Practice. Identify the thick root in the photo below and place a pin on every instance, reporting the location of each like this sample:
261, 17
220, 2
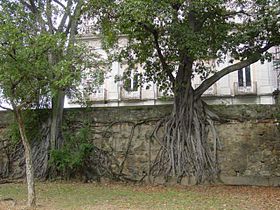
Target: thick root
185, 148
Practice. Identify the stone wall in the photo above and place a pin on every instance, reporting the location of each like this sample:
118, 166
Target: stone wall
250, 152
5, 119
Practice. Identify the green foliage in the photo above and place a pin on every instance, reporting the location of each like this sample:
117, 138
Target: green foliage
33, 120
71, 159
26, 74
12, 133
166, 98
89, 67
35, 63
190, 32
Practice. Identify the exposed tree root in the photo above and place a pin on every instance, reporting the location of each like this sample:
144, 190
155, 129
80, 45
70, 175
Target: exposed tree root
40, 151
185, 149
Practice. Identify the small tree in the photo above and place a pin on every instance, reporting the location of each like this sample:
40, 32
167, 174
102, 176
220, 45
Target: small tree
23, 62
56, 17
173, 41
27, 78
69, 61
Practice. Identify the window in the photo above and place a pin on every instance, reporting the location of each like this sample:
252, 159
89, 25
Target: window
97, 90
244, 77
131, 83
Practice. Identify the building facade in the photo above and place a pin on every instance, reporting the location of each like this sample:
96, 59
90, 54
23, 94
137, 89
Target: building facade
254, 84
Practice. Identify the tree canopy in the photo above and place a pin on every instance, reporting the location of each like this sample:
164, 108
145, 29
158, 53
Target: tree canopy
25, 73
164, 35
24, 69
26, 52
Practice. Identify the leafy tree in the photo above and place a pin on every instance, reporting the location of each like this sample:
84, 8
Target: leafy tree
69, 61
28, 77
24, 68
57, 17
173, 41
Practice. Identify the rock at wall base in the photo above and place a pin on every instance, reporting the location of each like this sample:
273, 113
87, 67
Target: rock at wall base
251, 180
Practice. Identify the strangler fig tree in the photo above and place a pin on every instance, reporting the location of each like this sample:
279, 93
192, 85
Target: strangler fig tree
173, 41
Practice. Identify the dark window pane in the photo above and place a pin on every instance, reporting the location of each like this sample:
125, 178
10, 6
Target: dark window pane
240, 78
248, 76
127, 84
135, 82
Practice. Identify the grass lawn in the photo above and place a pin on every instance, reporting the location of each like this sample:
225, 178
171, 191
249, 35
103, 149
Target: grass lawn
123, 196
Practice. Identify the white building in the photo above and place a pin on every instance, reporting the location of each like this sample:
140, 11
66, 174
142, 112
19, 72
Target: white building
252, 85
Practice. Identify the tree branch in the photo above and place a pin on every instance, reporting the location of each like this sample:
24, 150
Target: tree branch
16, 83
49, 15
73, 21
65, 15
67, 30
218, 75
33, 7
60, 4
6, 108
158, 49
162, 59
24, 3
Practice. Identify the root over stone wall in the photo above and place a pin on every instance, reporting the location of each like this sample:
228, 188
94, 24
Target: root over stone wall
249, 153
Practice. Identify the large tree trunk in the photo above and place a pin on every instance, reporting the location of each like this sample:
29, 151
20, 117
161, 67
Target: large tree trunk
185, 147
56, 137
28, 158
56, 122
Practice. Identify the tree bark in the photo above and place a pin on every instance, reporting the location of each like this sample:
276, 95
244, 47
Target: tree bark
231, 68
185, 148
56, 123
58, 100
28, 158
